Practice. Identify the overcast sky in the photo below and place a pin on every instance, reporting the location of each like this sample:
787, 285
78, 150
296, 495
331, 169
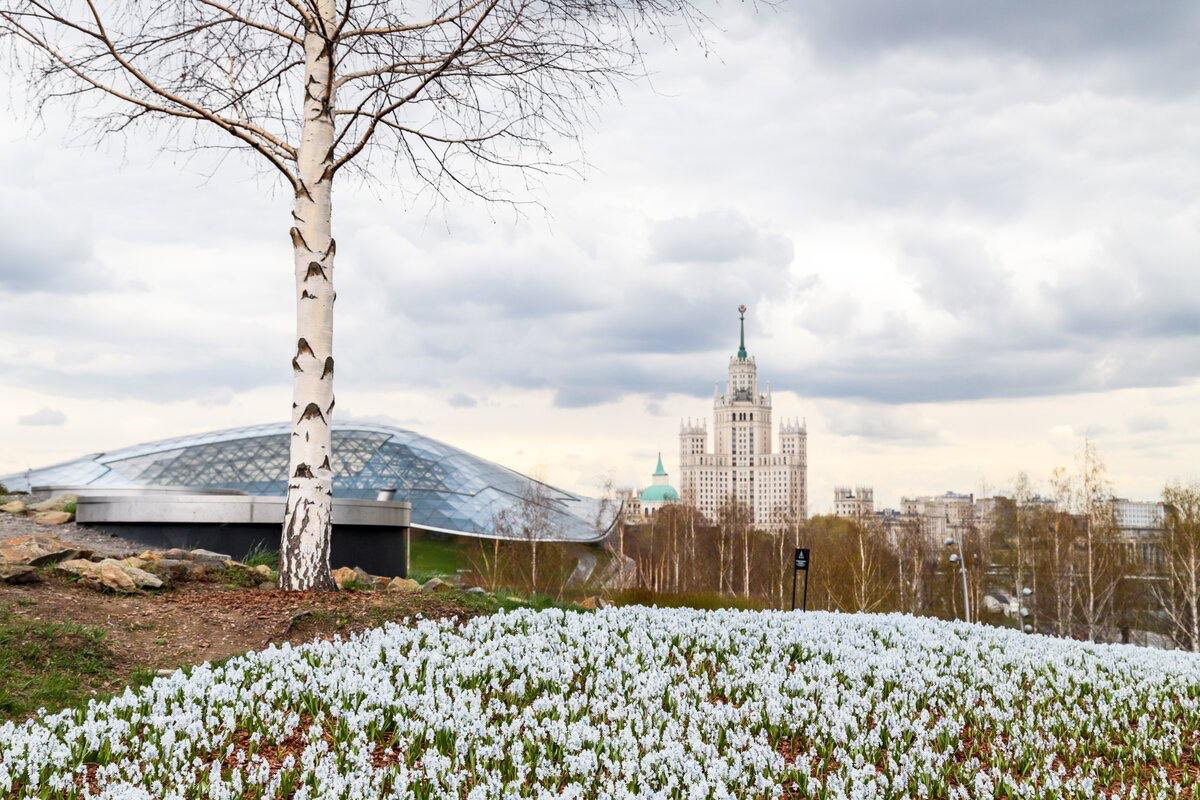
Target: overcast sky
967, 233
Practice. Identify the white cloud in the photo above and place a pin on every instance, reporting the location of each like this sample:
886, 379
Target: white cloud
43, 417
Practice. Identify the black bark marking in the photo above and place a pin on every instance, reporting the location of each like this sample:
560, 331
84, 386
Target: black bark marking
312, 411
298, 238
328, 368
303, 471
306, 295
332, 249
325, 463
302, 348
296, 366
329, 410
315, 269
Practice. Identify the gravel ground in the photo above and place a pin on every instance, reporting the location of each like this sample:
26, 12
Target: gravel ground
104, 544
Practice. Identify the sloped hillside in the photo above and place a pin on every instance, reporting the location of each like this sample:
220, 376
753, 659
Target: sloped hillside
637, 702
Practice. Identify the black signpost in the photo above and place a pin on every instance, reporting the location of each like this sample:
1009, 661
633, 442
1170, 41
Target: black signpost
801, 563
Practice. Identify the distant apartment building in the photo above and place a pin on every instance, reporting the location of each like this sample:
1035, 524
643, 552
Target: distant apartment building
1141, 525
855, 503
1139, 515
941, 516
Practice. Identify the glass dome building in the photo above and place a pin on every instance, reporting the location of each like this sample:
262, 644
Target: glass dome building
451, 491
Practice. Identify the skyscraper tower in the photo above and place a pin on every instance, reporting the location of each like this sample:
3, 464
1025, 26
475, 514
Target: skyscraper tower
742, 466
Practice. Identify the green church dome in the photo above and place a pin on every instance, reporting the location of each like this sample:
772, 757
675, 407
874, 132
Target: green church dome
659, 493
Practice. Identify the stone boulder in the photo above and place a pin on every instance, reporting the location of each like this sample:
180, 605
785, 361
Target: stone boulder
172, 570
589, 603
403, 585
13, 507
60, 502
476, 590
435, 585
264, 570
111, 574
344, 576
36, 550
208, 556
53, 517
18, 573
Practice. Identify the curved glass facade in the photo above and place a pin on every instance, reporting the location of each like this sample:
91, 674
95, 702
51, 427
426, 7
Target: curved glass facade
450, 489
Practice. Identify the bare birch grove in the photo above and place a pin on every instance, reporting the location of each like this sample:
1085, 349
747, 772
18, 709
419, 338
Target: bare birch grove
445, 94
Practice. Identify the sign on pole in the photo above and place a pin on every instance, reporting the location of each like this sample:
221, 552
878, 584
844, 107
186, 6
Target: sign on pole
800, 563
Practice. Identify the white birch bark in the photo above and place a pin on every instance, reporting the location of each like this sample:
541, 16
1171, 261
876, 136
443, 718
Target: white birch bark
308, 518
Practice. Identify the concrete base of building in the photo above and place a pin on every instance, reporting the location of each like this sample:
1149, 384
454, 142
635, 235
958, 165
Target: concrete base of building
370, 534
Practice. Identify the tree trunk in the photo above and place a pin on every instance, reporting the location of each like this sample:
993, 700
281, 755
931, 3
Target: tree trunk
308, 515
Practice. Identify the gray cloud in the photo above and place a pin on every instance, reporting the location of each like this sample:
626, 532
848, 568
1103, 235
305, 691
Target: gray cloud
43, 416
43, 251
715, 237
941, 153
462, 400
1147, 424
1154, 43
883, 423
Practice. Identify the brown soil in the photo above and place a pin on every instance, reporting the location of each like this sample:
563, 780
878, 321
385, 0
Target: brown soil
198, 621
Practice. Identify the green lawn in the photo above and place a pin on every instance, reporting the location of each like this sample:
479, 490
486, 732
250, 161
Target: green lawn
431, 557
49, 664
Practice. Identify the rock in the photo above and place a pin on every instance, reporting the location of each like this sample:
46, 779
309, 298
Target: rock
176, 553
53, 517
60, 502
18, 573
135, 561
150, 555
111, 574
208, 556
13, 507
476, 590
380, 582
267, 585
344, 576
589, 603
143, 579
169, 568
264, 570
36, 550
364, 576
435, 585
403, 585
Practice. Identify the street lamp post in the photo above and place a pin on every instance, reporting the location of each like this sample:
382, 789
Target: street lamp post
1026, 593
957, 558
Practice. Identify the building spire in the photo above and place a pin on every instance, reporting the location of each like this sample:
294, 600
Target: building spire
741, 353
660, 470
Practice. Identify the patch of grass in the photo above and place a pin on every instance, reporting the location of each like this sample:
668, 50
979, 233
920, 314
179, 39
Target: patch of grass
706, 601
434, 558
241, 578
70, 507
49, 664
261, 554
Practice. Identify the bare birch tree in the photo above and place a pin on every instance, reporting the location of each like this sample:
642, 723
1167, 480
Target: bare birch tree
448, 92
1178, 593
1097, 569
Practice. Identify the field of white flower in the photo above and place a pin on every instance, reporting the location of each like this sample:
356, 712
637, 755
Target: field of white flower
638, 703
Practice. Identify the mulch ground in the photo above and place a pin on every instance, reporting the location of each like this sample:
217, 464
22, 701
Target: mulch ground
198, 621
